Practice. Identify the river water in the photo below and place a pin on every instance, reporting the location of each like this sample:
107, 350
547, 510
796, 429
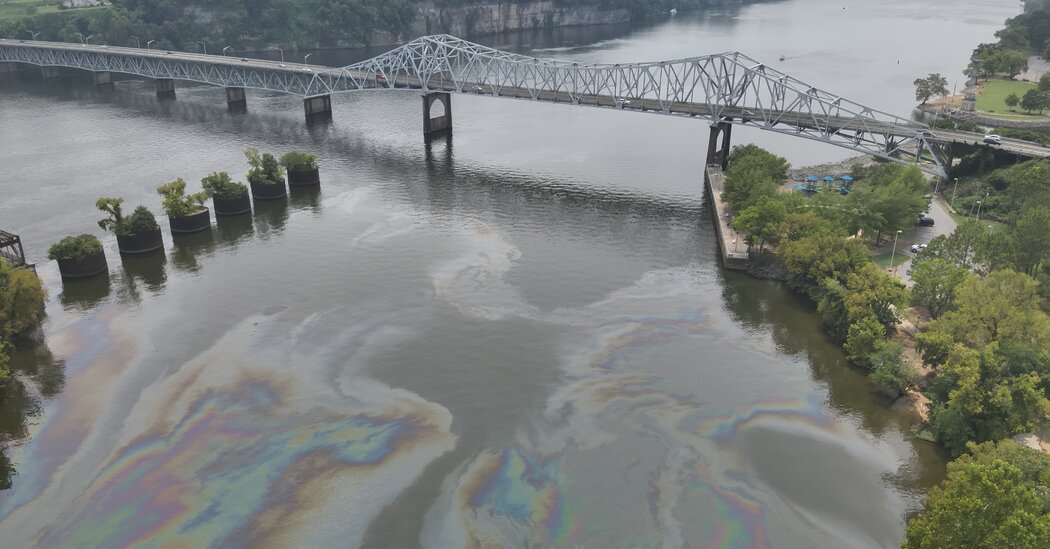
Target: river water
520, 336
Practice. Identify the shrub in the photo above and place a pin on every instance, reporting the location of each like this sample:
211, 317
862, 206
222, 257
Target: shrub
179, 204
74, 248
140, 221
220, 185
296, 160
264, 168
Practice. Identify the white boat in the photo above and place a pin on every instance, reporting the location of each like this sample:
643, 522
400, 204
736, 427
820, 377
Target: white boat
674, 11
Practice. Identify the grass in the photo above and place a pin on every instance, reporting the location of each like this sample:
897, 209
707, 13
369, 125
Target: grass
883, 259
17, 9
993, 95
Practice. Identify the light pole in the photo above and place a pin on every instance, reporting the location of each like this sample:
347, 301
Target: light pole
305, 59
894, 252
88, 39
978, 210
953, 192
82, 43
203, 47
282, 54
148, 43
35, 34
227, 48
137, 43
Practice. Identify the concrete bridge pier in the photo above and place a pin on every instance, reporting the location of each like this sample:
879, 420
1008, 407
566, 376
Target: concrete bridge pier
236, 100
165, 88
8, 66
715, 154
318, 108
103, 80
49, 72
442, 123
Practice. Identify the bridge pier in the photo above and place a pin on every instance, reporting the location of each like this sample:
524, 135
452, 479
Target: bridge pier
103, 80
8, 66
715, 154
236, 100
49, 72
165, 88
318, 108
433, 125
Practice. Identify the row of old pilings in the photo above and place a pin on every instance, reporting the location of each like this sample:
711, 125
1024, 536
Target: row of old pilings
139, 234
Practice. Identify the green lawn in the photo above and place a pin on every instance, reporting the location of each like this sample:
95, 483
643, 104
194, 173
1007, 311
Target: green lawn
17, 9
994, 92
883, 259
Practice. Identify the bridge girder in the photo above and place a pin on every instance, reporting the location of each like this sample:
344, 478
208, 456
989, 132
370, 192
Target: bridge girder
724, 87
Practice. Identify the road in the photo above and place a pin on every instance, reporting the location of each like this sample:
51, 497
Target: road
943, 224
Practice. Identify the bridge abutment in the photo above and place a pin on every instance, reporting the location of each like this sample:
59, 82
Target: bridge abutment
103, 80
165, 88
715, 154
49, 72
442, 123
236, 100
318, 108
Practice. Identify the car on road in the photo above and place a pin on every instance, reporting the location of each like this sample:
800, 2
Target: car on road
993, 139
925, 222
916, 248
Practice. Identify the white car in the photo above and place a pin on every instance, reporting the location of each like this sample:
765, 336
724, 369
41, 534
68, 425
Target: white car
916, 248
993, 139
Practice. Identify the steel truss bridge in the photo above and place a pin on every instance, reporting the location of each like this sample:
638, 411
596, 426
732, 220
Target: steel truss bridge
725, 88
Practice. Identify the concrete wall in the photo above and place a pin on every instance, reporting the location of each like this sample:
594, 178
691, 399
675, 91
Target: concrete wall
732, 246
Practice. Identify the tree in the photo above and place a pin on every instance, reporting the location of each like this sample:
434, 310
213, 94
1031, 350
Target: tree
753, 173
934, 346
1003, 307
888, 367
984, 502
21, 302
1032, 234
862, 340
1044, 82
1034, 100
977, 398
761, 221
824, 255
932, 85
935, 282
1012, 100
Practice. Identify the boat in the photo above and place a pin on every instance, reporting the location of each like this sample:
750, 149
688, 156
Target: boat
782, 58
674, 11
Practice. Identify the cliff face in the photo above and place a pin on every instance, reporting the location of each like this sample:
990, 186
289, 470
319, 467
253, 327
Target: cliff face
496, 17
509, 16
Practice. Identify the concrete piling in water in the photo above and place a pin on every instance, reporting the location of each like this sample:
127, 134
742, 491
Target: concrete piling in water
318, 108
49, 72
103, 80
236, 100
435, 125
165, 88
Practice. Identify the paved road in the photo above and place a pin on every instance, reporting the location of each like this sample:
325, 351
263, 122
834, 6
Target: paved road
943, 224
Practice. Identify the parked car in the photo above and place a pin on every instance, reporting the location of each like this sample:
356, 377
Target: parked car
993, 139
916, 248
925, 222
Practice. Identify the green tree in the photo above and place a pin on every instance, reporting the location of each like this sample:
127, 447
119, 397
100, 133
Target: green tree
888, 367
980, 504
978, 398
753, 173
935, 346
932, 85
935, 282
1044, 82
761, 221
1003, 306
21, 302
1034, 100
1012, 100
1032, 234
862, 340
824, 255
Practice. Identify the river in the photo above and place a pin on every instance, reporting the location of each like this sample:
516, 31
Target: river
520, 336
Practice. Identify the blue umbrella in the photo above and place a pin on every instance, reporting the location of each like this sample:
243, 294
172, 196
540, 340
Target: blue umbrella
847, 178
811, 178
